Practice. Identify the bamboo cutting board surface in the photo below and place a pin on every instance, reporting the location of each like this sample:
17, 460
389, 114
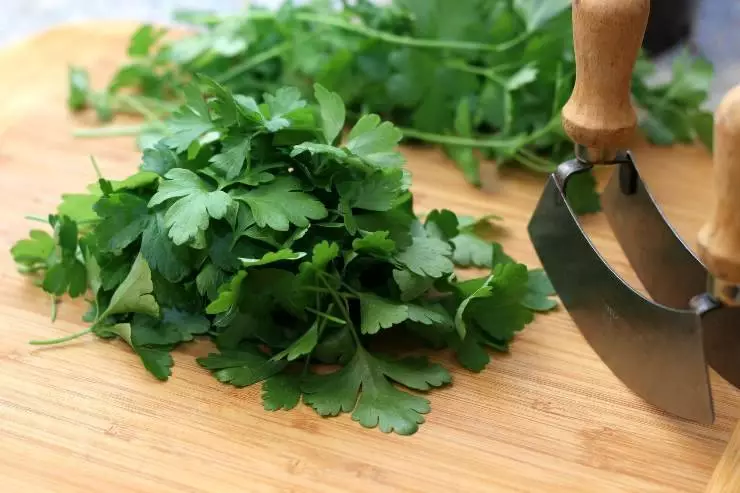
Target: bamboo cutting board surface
86, 417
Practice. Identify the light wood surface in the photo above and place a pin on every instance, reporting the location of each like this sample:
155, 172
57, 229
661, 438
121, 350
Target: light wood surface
607, 35
719, 239
726, 477
85, 417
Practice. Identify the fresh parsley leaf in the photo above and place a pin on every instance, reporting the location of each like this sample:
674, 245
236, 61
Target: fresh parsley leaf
472, 251
161, 253
144, 39
209, 280
189, 123
272, 257
256, 176
157, 360
539, 292
228, 296
333, 112
375, 142
377, 313
465, 156
159, 159
134, 294
483, 290
495, 305
79, 207
427, 257
323, 254
65, 273
302, 346
282, 203
471, 353
196, 204
380, 404
124, 218
277, 112
377, 192
412, 285
536, 13
314, 148
79, 88
442, 224
281, 392
35, 252
376, 243
241, 368
176, 326
232, 158
64, 278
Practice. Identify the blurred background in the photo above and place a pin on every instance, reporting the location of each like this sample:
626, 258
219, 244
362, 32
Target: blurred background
711, 27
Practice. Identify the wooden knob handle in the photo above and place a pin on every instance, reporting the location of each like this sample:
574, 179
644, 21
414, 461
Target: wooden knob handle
719, 239
726, 477
607, 36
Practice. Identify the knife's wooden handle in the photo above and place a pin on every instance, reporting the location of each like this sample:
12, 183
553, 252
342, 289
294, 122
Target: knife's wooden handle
607, 36
726, 477
719, 239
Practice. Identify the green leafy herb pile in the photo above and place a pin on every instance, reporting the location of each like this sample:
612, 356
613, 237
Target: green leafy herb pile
480, 78
295, 249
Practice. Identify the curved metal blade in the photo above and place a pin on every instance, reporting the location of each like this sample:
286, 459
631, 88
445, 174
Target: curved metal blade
654, 350
721, 327
665, 265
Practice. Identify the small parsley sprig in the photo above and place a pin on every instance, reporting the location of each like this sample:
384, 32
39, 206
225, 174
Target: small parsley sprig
480, 78
293, 246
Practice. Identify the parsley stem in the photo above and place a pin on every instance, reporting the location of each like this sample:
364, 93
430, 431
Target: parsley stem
53, 308
407, 40
139, 107
96, 168
33, 269
111, 131
326, 316
489, 73
351, 289
536, 162
71, 337
315, 289
342, 303
250, 63
336, 21
492, 143
532, 165
38, 219
205, 18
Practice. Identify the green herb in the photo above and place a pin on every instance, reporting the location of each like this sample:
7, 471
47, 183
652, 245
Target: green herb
302, 260
482, 78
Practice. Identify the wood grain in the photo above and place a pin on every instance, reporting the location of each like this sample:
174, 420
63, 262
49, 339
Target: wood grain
549, 417
726, 478
607, 35
719, 239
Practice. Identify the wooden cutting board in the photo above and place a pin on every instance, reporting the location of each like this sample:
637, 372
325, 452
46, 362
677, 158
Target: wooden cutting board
87, 417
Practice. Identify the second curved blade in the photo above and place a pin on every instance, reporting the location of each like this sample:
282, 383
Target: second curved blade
665, 265
656, 351
722, 342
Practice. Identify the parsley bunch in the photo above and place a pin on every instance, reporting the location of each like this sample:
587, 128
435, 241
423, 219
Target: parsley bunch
295, 249
479, 78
